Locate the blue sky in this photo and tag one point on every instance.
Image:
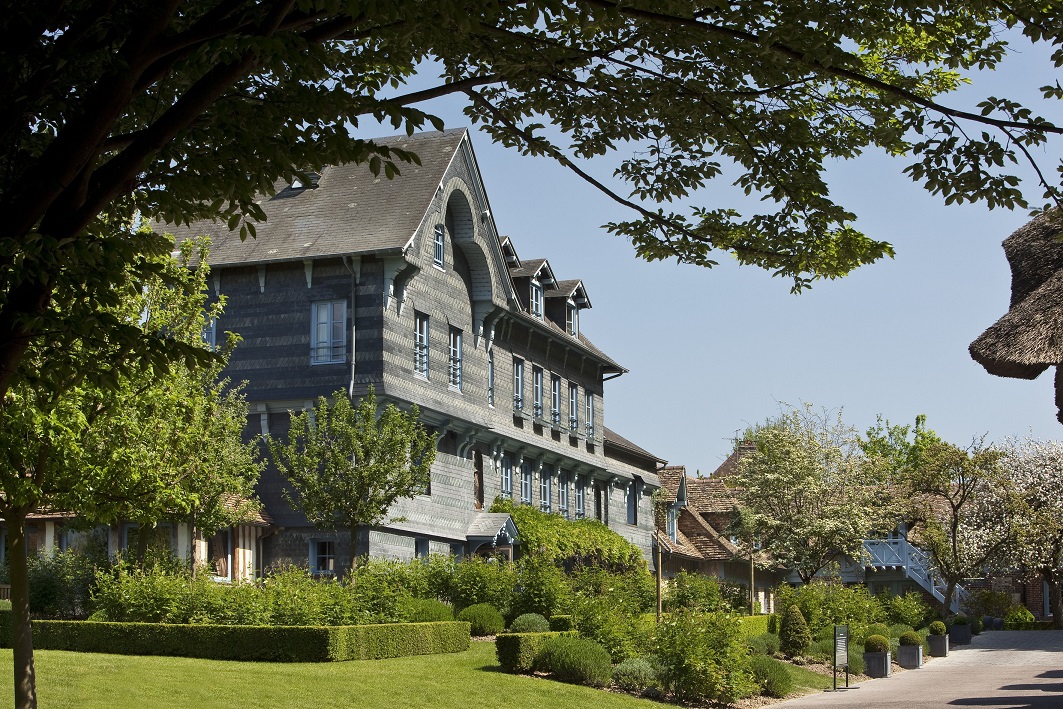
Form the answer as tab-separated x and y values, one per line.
712	351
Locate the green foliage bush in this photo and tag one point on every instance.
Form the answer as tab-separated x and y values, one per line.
910	637
995	604
1032	625
484	619
606	623
541	588
478	580
961	619
856	660
899	629
794	636
704	657
252	643
425	610
976	626
1016	615
772	676
60	583
938	628
516	651
825	603
561	622
764	644
877	629
575	660
636	674
909	609
773	623
529	623
876	643
696	592
753	625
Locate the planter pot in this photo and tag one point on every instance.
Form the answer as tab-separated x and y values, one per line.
987	623
998	624
877	664
939	645
910	657
960	635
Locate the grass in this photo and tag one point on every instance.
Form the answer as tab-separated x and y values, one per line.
457	681
807	680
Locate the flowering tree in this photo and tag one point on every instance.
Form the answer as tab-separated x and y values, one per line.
1035	468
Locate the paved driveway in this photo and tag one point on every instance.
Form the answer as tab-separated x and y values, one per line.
1000	669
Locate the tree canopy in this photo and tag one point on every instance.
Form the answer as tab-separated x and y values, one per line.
190	110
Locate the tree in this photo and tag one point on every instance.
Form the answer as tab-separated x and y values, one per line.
805	492
962	507
143	447
1035	468
349	464
181	111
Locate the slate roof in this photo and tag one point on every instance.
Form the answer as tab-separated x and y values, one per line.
527	269
487	524
351	211
615	439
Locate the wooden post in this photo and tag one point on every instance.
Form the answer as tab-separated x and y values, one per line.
657	564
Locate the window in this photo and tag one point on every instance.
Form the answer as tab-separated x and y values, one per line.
562	493
555	400
672	533
210	334
454	362
491	377
537	392
633	502
518	384
573	407
526	483
420	548
536	300
420	344
323	557
546	478
438	254
507	475
589	414
581	497
328	341
572	320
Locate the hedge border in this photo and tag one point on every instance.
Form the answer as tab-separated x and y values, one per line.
1031	625
248	642
753	625
516	651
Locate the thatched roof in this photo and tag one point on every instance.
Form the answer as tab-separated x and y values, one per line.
1028	339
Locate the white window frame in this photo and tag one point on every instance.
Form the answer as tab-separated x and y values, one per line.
581	497
507	475
546	477
537	391
518	384
589	413
316	555
572	319
573	407
562	493
555	400
633	502
210	334
491	377
439	252
673	522
422	337
526	471
328	335
454	359
535	306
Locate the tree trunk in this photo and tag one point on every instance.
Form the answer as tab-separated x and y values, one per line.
950	592
1055	598
21	629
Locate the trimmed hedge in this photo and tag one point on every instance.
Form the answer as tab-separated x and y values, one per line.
1034	625
754	625
484	618
249	642
516	651
560	623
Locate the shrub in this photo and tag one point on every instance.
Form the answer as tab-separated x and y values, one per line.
753	625
541	588
529	623
938	628
909	609
773	623
910	637
602	621
976	626
899	629
765	644
516	651
794	636
877	643
961	619
60	583
425	610
772	676
878	629
477	580
992	603
560	622
636	674
825	603
575	660
696	592
856	660
484	618
1018	614
703	657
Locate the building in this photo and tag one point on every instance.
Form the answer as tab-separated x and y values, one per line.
405	285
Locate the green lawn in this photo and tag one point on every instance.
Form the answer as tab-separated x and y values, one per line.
462	681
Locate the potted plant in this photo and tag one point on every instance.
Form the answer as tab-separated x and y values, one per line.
960	632
938	640
877	656
910	650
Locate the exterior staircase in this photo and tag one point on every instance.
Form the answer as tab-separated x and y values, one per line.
897	554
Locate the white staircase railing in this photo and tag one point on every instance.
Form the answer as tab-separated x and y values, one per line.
899	554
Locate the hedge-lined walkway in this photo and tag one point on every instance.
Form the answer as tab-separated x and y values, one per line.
67	680
1001	668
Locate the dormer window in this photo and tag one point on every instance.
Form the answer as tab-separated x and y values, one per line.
672	513
536	300
572	319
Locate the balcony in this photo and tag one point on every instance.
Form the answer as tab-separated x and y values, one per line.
898	555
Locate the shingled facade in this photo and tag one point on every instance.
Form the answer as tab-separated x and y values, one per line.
407	286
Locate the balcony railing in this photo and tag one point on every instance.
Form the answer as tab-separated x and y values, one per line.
898	554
